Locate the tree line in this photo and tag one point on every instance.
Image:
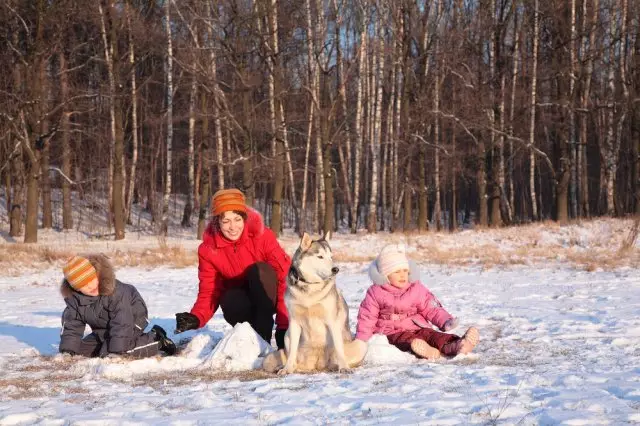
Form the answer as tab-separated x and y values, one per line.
383	114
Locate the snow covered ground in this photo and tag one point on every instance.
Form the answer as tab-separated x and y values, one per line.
560	345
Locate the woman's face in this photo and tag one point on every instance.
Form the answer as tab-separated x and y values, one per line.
231	225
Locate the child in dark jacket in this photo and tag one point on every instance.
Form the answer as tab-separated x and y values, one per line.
115	311
400	307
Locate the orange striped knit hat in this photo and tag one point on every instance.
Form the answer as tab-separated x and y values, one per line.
79	272
226	200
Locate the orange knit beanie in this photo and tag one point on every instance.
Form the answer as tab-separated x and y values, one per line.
228	200
78	272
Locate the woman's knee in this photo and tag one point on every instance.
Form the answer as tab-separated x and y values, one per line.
236	306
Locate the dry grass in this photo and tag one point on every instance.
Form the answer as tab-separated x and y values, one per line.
14	256
595	244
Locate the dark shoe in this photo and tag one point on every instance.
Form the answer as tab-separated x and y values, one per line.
166	344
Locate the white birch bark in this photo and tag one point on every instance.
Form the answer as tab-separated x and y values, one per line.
572	113
318	34
376	124
532	123
437	208
358	133
608	148
108	53
169	98
134	120
588	50
311	64
512	107
188	209
216	106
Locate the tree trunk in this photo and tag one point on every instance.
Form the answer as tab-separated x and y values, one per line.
17	198
532	123
358	133
169	141
572	113
67	210
345	159
512	107
47	213
588	50
422	190
188	207
406	222
215	107
496	217
277	122
116	145
372	222
134	122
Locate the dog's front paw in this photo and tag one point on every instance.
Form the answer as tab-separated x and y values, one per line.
287	369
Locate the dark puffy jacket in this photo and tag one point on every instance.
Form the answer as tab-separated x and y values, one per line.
222	264
117	315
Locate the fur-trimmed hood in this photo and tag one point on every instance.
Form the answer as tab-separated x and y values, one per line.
378	279
253	227
106	277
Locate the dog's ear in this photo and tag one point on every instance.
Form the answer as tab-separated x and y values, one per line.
305	242
327	236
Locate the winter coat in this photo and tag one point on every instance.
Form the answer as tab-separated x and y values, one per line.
387	309
117	315
222	264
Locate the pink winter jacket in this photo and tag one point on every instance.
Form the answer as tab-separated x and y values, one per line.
387	309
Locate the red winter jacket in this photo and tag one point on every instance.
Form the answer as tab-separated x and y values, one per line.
222	264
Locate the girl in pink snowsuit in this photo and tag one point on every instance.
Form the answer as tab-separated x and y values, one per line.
400	307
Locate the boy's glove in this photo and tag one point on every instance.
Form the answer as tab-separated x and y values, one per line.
450	324
186	321
280	333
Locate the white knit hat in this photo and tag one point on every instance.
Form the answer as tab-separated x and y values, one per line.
392	258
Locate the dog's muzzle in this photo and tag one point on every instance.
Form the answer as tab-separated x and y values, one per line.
335	270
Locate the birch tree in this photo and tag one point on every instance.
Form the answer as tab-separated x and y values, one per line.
357	126
169	118
116	148
377	119
67	212
532	122
134	119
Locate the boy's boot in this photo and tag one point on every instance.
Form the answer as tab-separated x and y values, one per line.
166	344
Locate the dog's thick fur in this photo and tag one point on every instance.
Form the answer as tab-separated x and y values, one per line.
318	337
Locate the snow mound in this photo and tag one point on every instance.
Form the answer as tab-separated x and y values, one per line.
381	352
240	349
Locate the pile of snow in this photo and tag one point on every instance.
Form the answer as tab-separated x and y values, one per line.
240	349
380	352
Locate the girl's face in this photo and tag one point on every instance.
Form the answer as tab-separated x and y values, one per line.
399	278
231	225
90	289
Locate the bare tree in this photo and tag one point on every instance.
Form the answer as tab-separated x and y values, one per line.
116	148
532	123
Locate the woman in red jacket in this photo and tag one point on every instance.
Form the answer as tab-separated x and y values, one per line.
242	269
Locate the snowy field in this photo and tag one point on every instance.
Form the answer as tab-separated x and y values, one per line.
559	345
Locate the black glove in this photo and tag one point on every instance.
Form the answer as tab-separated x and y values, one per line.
280	337
186	321
166	344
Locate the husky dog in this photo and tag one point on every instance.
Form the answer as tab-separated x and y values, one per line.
318	337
